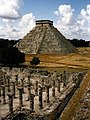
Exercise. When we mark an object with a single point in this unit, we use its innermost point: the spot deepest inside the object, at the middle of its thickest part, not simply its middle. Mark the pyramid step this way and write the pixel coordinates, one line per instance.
(45, 38)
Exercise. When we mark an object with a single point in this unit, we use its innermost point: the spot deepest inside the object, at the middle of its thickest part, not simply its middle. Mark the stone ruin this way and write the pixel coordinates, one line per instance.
(27, 94)
(44, 38)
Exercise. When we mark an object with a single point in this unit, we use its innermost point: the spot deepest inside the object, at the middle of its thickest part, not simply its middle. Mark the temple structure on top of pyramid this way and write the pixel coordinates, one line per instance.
(44, 38)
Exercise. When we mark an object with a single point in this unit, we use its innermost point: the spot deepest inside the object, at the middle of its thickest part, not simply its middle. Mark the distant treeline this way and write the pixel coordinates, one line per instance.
(10, 55)
(5, 43)
(80, 43)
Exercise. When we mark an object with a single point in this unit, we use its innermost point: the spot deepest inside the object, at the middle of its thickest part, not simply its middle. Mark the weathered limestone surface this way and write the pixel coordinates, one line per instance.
(45, 39)
(51, 111)
(78, 107)
(83, 112)
(44, 97)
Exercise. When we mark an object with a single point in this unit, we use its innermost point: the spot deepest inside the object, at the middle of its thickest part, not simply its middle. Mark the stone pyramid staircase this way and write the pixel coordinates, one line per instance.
(45, 39)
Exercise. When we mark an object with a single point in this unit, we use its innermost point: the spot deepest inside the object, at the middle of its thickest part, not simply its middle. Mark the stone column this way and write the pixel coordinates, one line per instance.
(49, 79)
(10, 101)
(31, 102)
(4, 77)
(80, 76)
(58, 85)
(29, 90)
(0, 93)
(36, 88)
(13, 88)
(8, 83)
(64, 78)
(47, 91)
(61, 77)
(54, 76)
(17, 80)
(53, 83)
(22, 84)
(40, 98)
(42, 81)
(0, 90)
(53, 89)
(3, 94)
(20, 96)
(29, 76)
(43, 85)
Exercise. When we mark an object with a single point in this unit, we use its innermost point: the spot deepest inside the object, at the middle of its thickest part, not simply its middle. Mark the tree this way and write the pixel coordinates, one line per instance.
(35, 61)
(11, 56)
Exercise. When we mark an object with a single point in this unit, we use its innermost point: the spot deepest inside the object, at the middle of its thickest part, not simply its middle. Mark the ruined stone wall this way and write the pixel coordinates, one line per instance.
(78, 107)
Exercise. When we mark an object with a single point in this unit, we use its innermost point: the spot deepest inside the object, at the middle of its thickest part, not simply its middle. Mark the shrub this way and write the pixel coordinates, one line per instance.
(35, 61)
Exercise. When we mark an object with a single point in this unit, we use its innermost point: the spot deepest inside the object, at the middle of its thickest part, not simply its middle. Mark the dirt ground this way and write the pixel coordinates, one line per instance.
(80, 60)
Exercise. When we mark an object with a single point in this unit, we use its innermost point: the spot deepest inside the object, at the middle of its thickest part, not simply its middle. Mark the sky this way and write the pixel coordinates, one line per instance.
(70, 17)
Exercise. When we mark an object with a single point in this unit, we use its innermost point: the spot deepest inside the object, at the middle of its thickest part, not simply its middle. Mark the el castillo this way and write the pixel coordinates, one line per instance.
(43, 76)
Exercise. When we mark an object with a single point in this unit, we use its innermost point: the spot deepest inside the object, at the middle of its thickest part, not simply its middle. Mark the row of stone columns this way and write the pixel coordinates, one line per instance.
(30, 96)
(11, 95)
(29, 92)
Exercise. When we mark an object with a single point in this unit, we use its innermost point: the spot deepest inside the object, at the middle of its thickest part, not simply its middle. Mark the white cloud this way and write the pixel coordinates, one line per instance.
(85, 14)
(71, 27)
(88, 9)
(26, 23)
(27, 20)
(10, 8)
(65, 13)
(16, 29)
(12, 24)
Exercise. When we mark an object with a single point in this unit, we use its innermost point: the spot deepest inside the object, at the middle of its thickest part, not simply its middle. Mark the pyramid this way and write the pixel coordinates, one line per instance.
(44, 38)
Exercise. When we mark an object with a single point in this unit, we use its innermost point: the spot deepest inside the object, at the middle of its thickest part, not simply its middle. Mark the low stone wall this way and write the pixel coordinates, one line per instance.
(78, 107)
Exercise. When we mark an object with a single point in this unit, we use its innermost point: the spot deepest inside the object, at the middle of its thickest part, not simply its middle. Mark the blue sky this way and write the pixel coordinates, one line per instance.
(41, 8)
(45, 8)
(71, 17)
